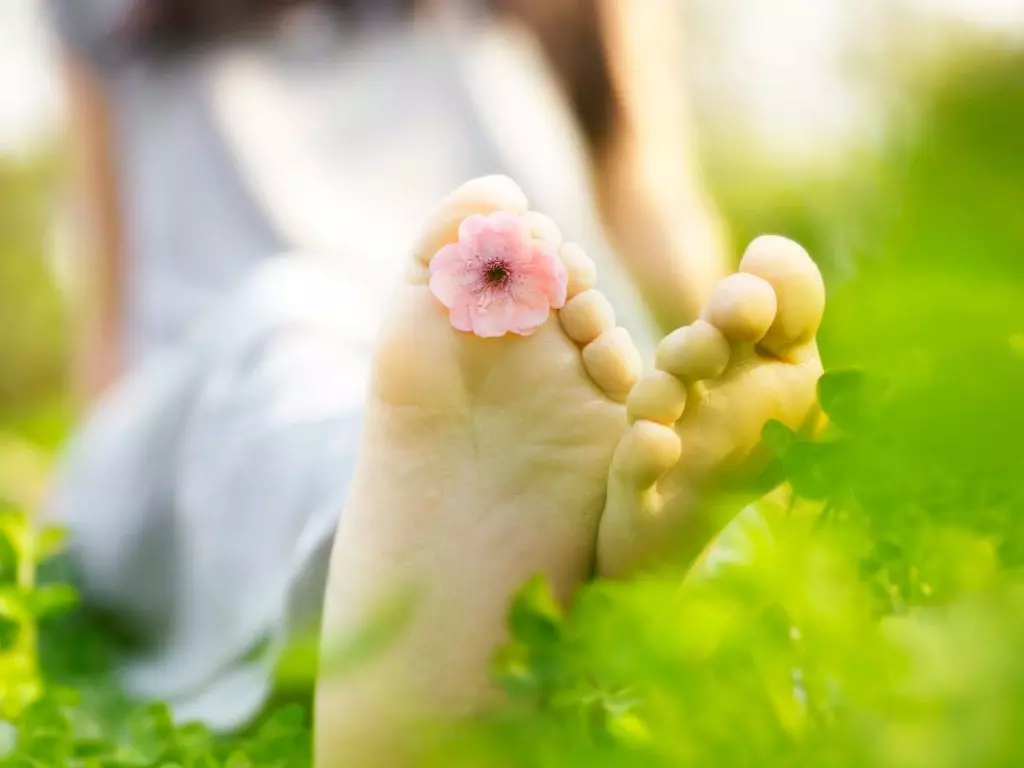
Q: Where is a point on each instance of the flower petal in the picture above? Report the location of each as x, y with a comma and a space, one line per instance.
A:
449, 276
472, 226
509, 223
531, 312
495, 319
537, 278
449, 258
461, 317
507, 238
545, 273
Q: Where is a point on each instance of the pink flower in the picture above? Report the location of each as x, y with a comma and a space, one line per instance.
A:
497, 279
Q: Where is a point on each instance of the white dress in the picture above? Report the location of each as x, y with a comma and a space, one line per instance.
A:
203, 492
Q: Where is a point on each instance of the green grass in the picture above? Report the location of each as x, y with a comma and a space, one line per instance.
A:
878, 624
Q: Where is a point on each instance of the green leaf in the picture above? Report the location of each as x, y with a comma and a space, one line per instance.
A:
43, 717
298, 663
851, 398
49, 748
9, 558
50, 542
283, 727
535, 617
513, 670
64, 696
628, 728
204, 760
24, 762
817, 470
52, 599
389, 619
194, 737
10, 632
778, 438
91, 748
152, 731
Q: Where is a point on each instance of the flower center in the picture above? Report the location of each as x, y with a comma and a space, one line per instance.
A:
496, 273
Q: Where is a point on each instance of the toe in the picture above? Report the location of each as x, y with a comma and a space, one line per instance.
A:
659, 397
742, 307
694, 353
587, 316
799, 289
581, 269
613, 363
484, 195
647, 451
544, 228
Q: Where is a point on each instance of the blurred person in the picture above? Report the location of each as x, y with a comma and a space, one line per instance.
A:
203, 491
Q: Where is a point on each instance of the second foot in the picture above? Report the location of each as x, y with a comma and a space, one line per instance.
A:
695, 439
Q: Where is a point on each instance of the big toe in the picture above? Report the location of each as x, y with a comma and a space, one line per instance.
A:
799, 291
484, 195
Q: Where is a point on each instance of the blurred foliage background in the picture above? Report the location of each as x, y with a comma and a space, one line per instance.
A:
879, 620
33, 327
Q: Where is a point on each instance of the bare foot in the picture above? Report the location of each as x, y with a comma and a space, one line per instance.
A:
484, 461
695, 444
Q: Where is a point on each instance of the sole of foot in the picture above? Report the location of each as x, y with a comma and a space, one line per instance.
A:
694, 447
484, 462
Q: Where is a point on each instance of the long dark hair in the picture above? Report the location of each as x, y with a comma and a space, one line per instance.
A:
568, 30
